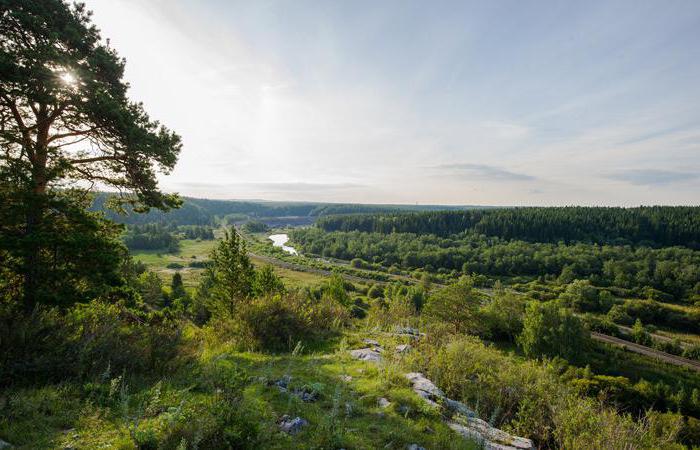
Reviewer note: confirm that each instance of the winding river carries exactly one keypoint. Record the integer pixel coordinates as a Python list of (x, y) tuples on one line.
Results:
[(278, 240)]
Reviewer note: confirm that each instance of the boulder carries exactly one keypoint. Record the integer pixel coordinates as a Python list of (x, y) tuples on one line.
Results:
[(415, 447), (383, 403), (5, 444), (366, 354), (292, 426)]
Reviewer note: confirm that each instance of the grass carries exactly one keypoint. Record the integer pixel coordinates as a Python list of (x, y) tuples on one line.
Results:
[(192, 250), (119, 414)]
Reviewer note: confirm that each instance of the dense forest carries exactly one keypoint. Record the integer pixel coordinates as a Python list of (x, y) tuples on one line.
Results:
[(197, 211), (673, 270), (657, 225)]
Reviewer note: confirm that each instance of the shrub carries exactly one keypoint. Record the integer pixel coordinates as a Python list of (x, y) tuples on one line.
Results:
[(175, 265), (549, 330), (277, 323), (86, 340), (531, 400)]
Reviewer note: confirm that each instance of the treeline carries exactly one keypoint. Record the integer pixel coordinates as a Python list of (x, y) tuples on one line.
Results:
[(156, 236), (673, 271), (654, 225), (195, 211)]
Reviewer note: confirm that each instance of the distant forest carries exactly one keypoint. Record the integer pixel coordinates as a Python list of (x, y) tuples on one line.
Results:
[(653, 225), (195, 211)]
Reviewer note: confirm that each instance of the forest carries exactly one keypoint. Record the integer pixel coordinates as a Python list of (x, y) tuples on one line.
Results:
[(651, 226), (464, 329)]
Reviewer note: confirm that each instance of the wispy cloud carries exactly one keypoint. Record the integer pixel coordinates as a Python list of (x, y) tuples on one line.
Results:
[(650, 177), (467, 171)]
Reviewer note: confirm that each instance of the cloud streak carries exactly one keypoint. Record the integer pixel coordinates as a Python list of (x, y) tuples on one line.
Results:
[(652, 177), (481, 172)]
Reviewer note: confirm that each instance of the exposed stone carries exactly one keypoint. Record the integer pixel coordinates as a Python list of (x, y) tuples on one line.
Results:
[(408, 331), (463, 420), (371, 342), (5, 444), (292, 426), (415, 447), (305, 393), (403, 348), (346, 378), (366, 354), (383, 403)]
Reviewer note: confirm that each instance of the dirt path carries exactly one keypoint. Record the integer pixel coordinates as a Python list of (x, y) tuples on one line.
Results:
[(647, 351)]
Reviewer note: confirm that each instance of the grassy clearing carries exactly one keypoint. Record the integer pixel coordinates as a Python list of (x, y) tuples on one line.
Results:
[(124, 413)]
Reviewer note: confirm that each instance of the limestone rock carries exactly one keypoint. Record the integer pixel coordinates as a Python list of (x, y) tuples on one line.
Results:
[(5, 444), (366, 354), (463, 420), (415, 447), (383, 403)]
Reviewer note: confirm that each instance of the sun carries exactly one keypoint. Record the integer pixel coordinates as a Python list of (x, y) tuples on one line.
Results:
[(68, 79)]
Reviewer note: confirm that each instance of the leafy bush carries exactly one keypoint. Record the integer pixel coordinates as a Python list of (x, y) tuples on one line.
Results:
[(550, 330), (86, 340), (277, 323), (531, 400)]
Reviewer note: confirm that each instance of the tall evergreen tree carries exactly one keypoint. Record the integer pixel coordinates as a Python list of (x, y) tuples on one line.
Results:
[(66, 121)]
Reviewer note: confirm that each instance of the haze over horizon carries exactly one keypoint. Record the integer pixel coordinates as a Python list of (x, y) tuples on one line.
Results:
[(490, 103)]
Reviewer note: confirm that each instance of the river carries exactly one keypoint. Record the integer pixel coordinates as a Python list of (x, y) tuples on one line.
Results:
[(278, 240)]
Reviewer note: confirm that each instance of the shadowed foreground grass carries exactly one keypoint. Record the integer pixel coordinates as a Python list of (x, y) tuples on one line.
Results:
[(215, 397)]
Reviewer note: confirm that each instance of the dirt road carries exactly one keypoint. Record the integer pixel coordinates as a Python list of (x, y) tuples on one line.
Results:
[(647, 351)]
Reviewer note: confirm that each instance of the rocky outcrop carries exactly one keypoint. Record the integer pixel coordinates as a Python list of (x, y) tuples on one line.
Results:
[(5, 445), (463, 420)]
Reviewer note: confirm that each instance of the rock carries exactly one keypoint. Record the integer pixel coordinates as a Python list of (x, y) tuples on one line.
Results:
[(383, 403), (463, 420), (366, 354), (490, 437), (306, 394), (346, 378), (409, 332), (292, 426), (459, 407), (5, 444), (283, 383), (371, 342), (415, 447), (403, 348), (425, 388)]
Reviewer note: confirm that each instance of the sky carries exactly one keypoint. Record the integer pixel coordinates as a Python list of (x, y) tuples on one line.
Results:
[(466, 102)]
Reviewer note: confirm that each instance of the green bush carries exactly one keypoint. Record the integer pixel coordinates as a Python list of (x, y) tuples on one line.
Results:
[(277, 323), (531, 400), (85, 340)]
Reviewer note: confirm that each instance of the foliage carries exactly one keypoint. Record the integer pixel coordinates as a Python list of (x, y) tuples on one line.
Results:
[(530, 398), (229, 276), (673, 270), (255, 226), (457, 305), (70, 256), (278, 322), (550, 330), (662, 225)]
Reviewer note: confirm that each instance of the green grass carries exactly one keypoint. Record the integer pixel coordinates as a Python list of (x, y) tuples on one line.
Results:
[(97, 414)]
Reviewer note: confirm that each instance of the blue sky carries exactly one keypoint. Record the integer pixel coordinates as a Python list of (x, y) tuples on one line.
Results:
[(491, 102)]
